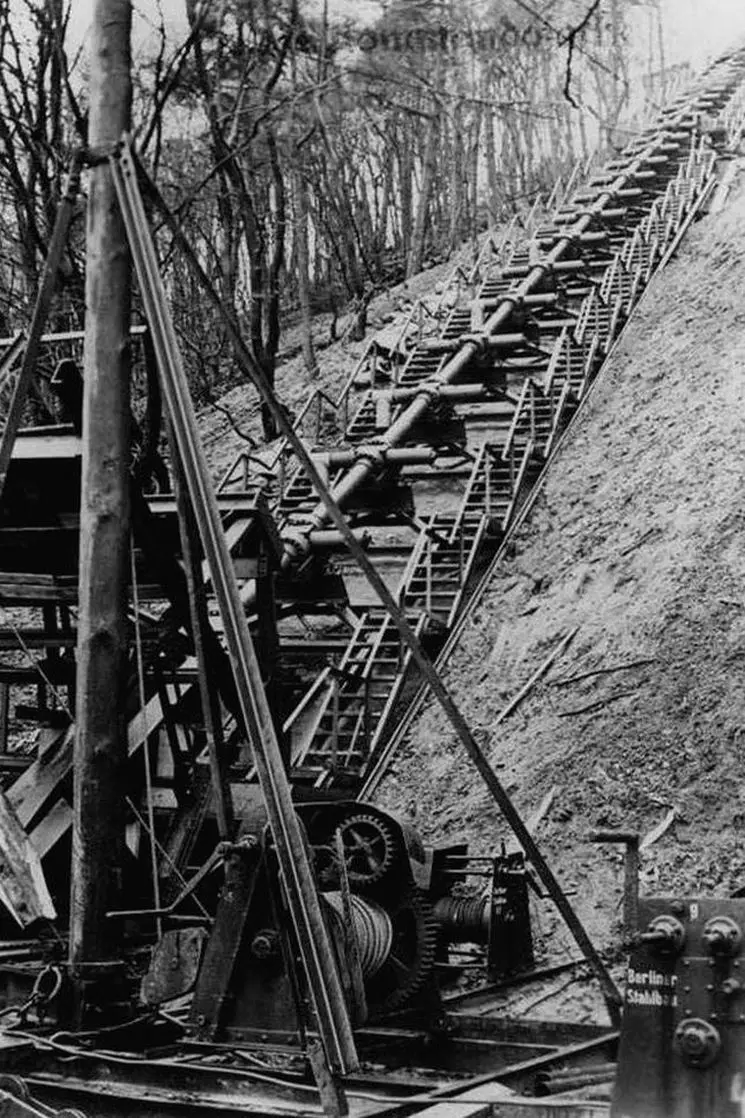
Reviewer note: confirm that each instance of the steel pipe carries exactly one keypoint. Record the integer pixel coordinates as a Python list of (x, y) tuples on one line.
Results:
[(500, 341), (402, 455), (638, 167), (453, 392)]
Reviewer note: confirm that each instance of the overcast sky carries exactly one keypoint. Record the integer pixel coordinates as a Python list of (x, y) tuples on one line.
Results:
[(698, 29)]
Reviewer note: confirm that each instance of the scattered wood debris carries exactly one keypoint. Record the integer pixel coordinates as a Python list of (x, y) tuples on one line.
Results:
[(536, 676), (542, 810), (590, 707), (602, 671), (658, 831)]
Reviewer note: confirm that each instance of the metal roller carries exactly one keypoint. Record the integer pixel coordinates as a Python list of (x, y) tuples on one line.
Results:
[(464, 919)]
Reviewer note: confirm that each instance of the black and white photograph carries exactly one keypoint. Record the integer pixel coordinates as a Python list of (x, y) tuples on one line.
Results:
[(372, 559)]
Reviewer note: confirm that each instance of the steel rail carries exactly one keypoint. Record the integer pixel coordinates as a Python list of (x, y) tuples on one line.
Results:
[(324, 984)]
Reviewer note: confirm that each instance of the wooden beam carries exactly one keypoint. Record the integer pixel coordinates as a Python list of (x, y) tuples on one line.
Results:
[(23, 889), (100, 751)]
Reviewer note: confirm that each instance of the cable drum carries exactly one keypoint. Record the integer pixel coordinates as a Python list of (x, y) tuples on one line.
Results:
[(464, 919), (372, 929)]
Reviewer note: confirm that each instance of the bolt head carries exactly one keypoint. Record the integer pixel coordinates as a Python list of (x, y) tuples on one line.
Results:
[(265, 944), (698, 1042)]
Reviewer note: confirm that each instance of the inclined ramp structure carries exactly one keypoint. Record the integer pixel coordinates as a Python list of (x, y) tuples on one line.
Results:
[(437, 438), (431, 449)]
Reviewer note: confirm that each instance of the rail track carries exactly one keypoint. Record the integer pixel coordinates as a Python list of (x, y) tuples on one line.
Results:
[(433, 448), (440, 433)]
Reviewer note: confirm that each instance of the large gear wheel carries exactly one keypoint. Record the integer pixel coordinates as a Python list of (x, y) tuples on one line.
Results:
[(411, 957), (369, 848)]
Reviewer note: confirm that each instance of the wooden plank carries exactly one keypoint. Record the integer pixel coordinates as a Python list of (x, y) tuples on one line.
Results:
[(143, 723), (474, 1103), (551, 1108), (28, 794), (132, 837), (46, 738), (14, 578), (14, 762), (23, 889), (53, 826), (34, 593), (497, 1101), (47, 446), (68, 336)]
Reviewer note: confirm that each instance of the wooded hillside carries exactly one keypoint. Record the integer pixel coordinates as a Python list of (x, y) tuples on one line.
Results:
[(315, 159)]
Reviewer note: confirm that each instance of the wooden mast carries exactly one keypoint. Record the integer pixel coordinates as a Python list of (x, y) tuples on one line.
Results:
[(100, 742)]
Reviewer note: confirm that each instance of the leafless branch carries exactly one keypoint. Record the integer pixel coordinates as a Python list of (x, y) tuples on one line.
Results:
[(569, 41), (223, 410)]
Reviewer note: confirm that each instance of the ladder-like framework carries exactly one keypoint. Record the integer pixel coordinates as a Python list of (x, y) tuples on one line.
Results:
[(511, 404), (432, 447)]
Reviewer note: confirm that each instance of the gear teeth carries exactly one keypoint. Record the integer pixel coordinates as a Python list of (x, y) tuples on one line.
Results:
[(422, 964), (370, 848)]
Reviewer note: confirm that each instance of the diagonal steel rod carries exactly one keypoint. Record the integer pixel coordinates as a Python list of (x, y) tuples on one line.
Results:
[(408, 636), (211, 716), (324, 985)]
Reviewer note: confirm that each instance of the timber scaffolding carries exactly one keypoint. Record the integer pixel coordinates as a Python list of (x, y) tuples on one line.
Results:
[(432, 450)]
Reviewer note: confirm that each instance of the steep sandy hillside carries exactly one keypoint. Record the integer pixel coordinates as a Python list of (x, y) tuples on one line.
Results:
[(637, 539)]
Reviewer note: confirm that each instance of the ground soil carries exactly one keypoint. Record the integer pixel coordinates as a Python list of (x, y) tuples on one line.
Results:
[(637, 540)]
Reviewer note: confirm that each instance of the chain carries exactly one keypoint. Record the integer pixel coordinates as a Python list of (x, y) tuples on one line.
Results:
[(47, 985)]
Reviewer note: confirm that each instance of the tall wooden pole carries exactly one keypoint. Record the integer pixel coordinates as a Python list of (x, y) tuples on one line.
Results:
[(100, 743)]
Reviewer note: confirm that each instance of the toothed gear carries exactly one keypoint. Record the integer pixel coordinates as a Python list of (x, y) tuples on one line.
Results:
[(411, 958), (369, 848)]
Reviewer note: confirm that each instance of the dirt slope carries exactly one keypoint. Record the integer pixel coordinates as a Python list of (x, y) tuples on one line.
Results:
[(638, 539), (223, 440)]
